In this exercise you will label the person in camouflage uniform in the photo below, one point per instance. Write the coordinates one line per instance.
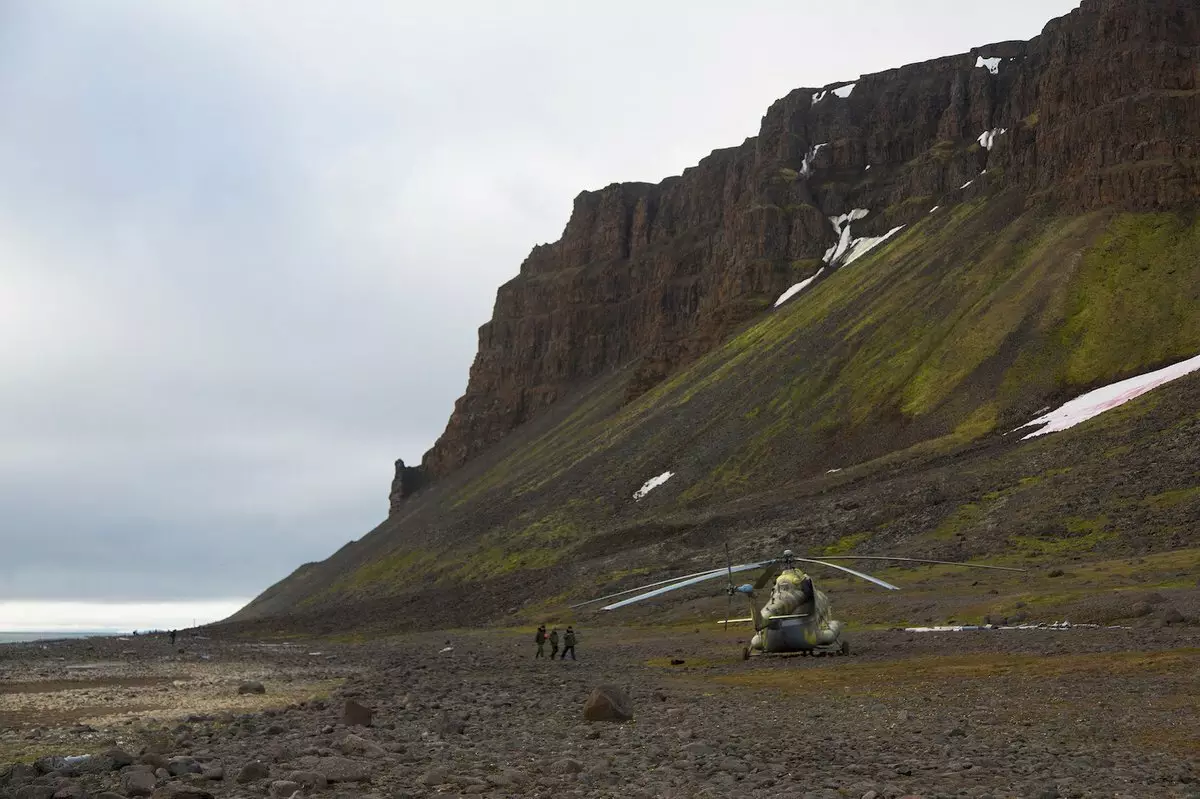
(540, 638)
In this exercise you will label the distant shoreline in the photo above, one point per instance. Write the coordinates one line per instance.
(51, 635)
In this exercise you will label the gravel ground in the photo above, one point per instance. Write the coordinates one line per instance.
(1014, 713)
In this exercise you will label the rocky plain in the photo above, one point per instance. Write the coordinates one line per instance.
(1104, 711)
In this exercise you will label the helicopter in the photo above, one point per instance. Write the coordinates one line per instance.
(797, 618)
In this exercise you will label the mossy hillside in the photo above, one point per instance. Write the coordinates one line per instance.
(956, 330)
(891, 338)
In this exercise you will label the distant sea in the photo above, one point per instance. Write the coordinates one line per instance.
(16, 638)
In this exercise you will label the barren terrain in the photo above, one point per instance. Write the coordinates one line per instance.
(1077, 712)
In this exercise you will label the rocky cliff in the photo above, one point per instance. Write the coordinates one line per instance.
(825, 339)
(1101, 109)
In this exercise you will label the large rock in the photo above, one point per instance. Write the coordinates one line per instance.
(282, 789)
(254, 770)
(34, 792)
(181, 790)
(608, 703)
(356, 745)
(341, 769)
(136, 782)
(252, 687)
(309, 779)
(119, 757)
(356, 715)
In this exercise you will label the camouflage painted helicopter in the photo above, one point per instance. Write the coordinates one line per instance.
(798, 616)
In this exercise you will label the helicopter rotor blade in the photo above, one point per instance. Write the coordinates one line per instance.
(683, 584)
(643, 587)
(919, 560)
(766, 577)
(848, 570)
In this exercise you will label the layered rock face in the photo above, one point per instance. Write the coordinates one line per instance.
(1102, 109)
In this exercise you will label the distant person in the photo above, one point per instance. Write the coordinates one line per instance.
(553, 643)
(172, 638)
(540, 638)
(568, 644)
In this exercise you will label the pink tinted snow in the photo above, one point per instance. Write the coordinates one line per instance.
(1104, 399)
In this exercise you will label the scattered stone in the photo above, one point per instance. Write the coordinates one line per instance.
(282, 789)
(178, 766)
(567, 766)
(1056, 573)
(355, 745)
(1171, 616)
(435, 776)
(309, 779)
(136, 782)
(252, 687)
(213, 773)
(34, 792)
(154, 759)
(698, 748)
(1141, 609)
(356, 715)
(340, 769)
(119, 757)
(254, 770)
(447, 725)
(180, 790)
(608, 703)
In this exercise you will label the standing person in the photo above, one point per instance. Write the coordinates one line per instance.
(553, 643)
(172, 638)
(568, 644)
(540, 638)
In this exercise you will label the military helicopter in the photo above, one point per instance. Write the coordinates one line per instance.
(797, 619)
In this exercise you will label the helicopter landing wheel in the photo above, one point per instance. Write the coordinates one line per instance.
(745, 653)
(845, 649)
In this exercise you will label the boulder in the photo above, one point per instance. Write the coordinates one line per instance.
(119, 757)
(1171, 616)
(447, 725)
(356, 715)
(355, 745)
(254, 770)
(180, 790)
(136, 782)
(34, 792)
(309, 779)
(341, 769)
(608, 703)
(282, 789)
(251, 687)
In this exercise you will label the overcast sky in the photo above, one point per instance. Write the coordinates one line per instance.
(245, 246)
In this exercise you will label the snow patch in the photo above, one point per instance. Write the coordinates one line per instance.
(818, 97)
(796, 289)
(652, 483)
(860, 247)
(988, 138)
(806, 167)
(991, 64)
(833, 471)
(968, 183)
(934, 208)
(841, 226)
(1096, 402)
(868, 166)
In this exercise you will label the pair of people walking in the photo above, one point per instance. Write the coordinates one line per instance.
(568, 641)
